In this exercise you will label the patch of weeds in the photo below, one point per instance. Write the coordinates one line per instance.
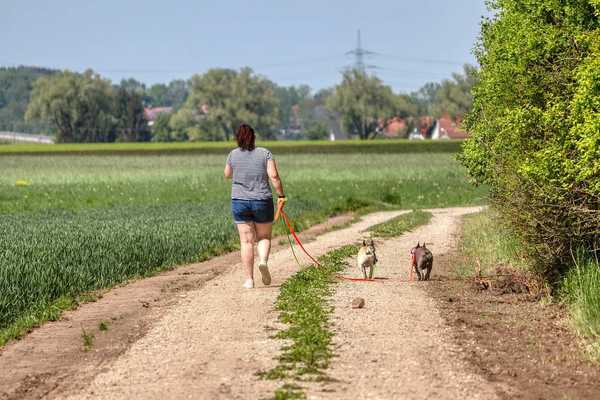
(87, 339)
(289, 392)
(302, 303)
(401, 224)
(103, 326)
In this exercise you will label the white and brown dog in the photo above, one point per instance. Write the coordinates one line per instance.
(367, 258)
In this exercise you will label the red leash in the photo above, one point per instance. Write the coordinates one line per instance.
(288, 223)
(296, 238)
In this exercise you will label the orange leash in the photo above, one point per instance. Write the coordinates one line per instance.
(286, 219)
(288, 223)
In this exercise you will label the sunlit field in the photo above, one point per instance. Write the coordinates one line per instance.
(72, 223)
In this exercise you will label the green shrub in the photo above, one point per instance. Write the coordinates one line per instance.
(535, 123)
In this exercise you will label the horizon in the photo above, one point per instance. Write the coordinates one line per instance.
(302, 48)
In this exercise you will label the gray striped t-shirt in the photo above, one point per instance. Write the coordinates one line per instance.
(250, 179)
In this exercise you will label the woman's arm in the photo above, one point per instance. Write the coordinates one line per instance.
(228, 171)
(274, 176)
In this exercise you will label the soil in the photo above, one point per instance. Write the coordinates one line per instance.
(515, 339)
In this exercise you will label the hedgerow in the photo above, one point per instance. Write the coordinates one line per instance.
(535, 124)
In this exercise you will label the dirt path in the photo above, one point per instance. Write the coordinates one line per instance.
(399, 346)
(214, 341)
(49, 361)
(195, 333)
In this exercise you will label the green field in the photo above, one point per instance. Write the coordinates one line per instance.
(73, 223)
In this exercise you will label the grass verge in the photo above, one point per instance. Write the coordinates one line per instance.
(303, 306)
(580, 289)
(401, 224)
(488, 244)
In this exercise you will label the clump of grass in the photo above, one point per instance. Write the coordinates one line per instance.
(302, 303)
(581, 290)
(289, 392)
(401, 224)
(103, 326)
(87, 339)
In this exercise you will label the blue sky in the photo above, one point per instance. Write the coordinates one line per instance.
(291, 42)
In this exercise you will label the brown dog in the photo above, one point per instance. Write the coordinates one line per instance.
(421, 261)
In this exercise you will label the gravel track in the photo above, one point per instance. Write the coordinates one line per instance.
(211, 344)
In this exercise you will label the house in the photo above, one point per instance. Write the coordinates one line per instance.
(448, 128)
(395, 127)
(150, 113)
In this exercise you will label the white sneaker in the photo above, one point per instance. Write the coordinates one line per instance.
(249, 284)
(264, 273)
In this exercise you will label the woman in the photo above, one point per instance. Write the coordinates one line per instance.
(252, 200)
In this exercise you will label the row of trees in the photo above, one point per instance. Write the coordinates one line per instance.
(87, 108)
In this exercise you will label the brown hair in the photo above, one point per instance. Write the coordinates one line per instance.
(245, 137)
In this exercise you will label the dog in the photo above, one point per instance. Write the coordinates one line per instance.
(367, 258)
(421, 261)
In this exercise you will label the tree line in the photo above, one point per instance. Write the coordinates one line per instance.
(89, 108)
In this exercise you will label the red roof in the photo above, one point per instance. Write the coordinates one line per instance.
(451, 128)
(151, 112)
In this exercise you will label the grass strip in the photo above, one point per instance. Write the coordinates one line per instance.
(281, 147)
(580, 290)
(487, 244)
(303, 306)
(401, 224)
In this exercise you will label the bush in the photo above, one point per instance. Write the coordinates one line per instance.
(535, 123)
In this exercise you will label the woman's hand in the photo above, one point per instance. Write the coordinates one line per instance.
(281, 202)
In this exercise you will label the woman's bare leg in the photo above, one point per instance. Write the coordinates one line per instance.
(263, 237)
(247, 233)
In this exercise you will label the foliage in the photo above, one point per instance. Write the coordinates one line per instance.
(78, 106)
(403, 223)
(15, 90)
(88, 222)
(535, 130)
(363, 102)
(221, 99)
(316, 131)
(450, 97)
(130, 124)
(172, 95)
(161, 130)
(453, 96)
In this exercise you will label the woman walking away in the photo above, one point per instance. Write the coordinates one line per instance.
(252, 200)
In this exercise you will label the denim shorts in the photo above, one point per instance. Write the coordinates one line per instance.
(258, 211)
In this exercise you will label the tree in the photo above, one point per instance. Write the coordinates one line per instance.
(221, 99)
(290, 97)
(78, 106)
(453, 96)
(363, 102)
(130, 124)
(15, 90)
(172, 95)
